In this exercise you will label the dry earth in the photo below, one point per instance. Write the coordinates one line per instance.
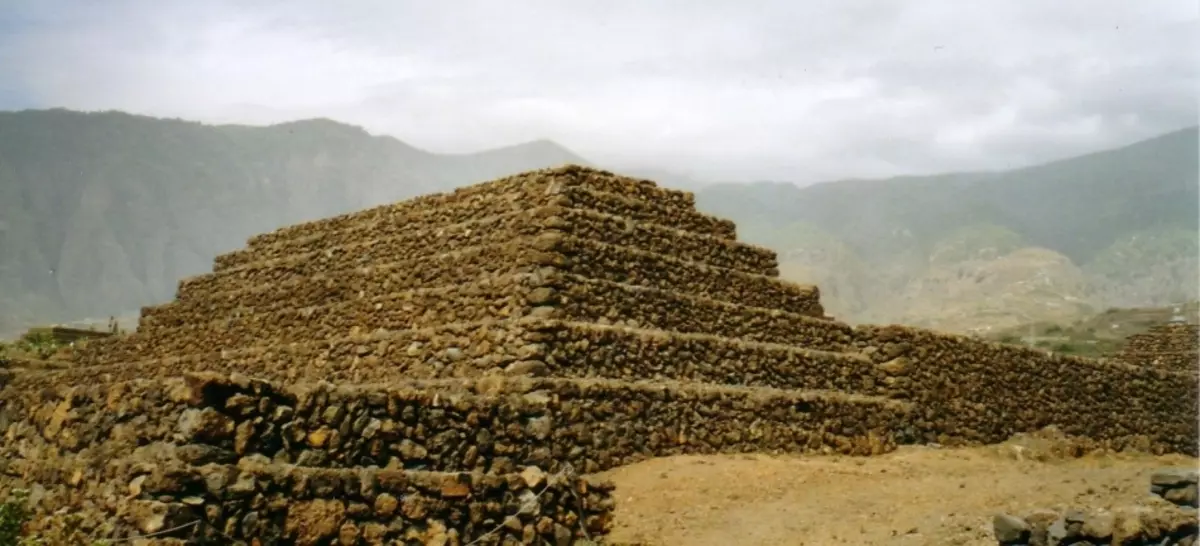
(914, 496)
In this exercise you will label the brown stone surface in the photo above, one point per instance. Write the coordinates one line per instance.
(530, 184)
(550, 249)
(477, 264)
(621, 264)
(563, 348)
(977, 391)
(1152, 523)
(492, 425)
(142, 456)
(576, 222)
(566, 319)
(568, 297)
(1167, 346)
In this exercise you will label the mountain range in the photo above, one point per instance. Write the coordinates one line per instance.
(101, 213)
(972, 251)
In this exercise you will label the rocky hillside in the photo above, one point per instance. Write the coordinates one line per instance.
(103, 213)
(981, 251)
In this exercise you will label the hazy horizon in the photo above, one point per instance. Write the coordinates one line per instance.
(788, 92)
(633, 170)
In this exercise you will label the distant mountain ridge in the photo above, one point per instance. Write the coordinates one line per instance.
(1126, 220)
(101, 213)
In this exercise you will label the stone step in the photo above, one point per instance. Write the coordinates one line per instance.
(256, 500)
(630, 266)
(494, 298)
(621, 196)
(413, 239)
(985, 392)
(492, 424)
(567, 297)
(499, 425)
(219, 297)
(321, 279)
(547, 347)
(145, 439)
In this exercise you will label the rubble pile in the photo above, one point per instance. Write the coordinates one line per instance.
(1168, 518)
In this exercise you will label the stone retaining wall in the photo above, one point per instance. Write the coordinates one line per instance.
(117, 459)
(583, 299)
(1188, 362)
(1167, 346)
(120, 459)
(573, 349)
(621, 264)
(977, 391)
(408, 242)
(304, 506)
(571, 255)
(537, 346)
(464, 266)
(567, 297)
(541, 193)
(510, 253)
(464, 425)
(497, 298)
(1165, 338)
(500, 425)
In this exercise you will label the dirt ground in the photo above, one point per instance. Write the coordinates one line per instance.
(914, 496)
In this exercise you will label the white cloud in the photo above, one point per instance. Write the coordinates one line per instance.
(783, 90)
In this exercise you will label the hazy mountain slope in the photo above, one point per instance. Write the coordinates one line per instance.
(1126, 219)
(102, 213)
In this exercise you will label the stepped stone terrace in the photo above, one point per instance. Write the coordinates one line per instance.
(457, 367)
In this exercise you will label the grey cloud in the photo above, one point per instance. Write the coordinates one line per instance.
(780, 90)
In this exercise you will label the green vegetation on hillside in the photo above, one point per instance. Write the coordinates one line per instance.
(1099, 335)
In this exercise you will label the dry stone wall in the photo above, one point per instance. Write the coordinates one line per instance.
(569, 297)
(533, 346)
(478, 264)
(976, 391)
(126, 458)
(285, 504)
(626, 265)
(501, 426)
(472, 231)
(526, 185)
(1166, 346)
(560, 321)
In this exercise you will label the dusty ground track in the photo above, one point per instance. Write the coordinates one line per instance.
(915, 496)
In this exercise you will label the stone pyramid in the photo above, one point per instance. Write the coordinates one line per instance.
(562, 321)
(453, 368)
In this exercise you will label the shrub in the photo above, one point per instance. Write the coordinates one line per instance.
(13, 516)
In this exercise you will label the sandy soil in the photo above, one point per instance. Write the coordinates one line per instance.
(914, 496)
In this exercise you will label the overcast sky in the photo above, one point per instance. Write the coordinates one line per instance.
(788, 90)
